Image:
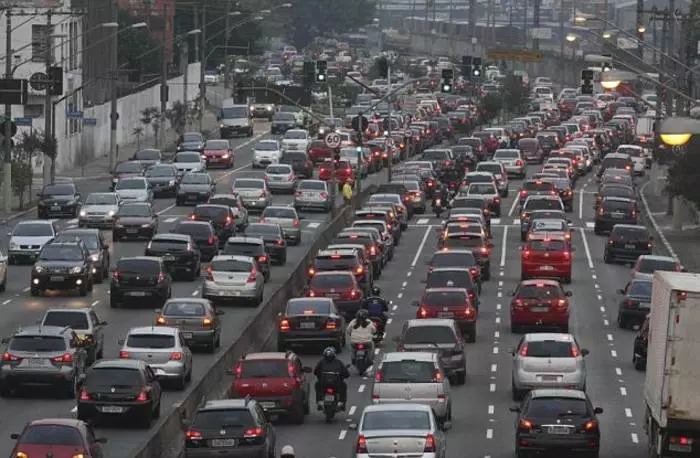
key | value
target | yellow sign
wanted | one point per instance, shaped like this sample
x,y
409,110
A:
x,y
521,56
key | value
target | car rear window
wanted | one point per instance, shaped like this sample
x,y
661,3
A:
x,y
447,259
542,204
180,308
433,155
552,407
379,226
649,266
260,368
479,188
150,341
493,168
463,241
168,245
396,420
311,186
289,213
75,320
229,201
51,435
549,349
614,163
546,245
248,184
37,343
630,233
308,307
617,205
441,298
449,278
538,186
639,288
111,376
247,249
194,229
331,281
428,335
538,291
211,212
507,154
139,266
230,265
335,262
223,418
408,371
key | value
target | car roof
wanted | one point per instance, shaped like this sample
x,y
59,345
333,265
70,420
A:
x,y
324,300
656,257
617,199
171,236
36,330
220,404
150,330
221,206
547,236
544,336
68,310
72,422
188,300
119,363
417,323
409,355
265,355
244,239
557,393
396,407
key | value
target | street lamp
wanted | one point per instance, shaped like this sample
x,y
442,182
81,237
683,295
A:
x,y
641,29
571,38
676,131
607,35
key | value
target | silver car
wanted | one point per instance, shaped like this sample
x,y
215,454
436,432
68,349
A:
x,y
280,177
189,161
134,189
413,377
28,238
313,194
163,348
196,318
287,218
400,430
392,199
647,264
512,160
548,360
253,192
99,209
233,278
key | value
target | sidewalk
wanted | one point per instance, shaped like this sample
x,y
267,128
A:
x,y
683,245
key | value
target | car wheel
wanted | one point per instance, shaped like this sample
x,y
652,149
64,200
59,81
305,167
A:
x,y
83,290
639,364
181,382
607,258
567,280
35,292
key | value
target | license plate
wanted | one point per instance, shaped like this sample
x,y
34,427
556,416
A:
x,y
680,448
333,296
277,178
112,409
308,325
57,278
187,335
445,314
267,405
37,362
132,231
617,215
329,398
168,257
539,309
136,293
558,430
629,246
549,378
360,353
55,207
223,442
547,268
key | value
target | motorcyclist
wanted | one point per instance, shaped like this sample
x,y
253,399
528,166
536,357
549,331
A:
x,y
362,330
330,364
441,195
376,306
287,452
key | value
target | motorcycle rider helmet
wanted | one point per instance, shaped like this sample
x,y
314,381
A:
x,y
287,452
376,291
329,354
362,315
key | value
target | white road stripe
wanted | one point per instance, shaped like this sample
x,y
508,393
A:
x,y
389,320
343,433
72,222
586,248
361,388
628,412
495,350
195,292
170,220
498,320
635,438
613,353
496,334
6,301
623,391
492,387
94,304
494,367
618,371
495,221
512,207
423,221
489,433
420,247
74,409
590,225
491,409
313,225
504,246
352,410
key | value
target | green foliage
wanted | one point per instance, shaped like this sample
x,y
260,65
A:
x,y
138,133
151,117
309,19
136,48
514,93
22,174
683,172
490,106
177,116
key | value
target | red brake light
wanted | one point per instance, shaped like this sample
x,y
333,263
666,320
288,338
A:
x,y
574,351
210,274
526,424
175,356
124,355
378,376
280,242
284,325
360,346
523,350
682,295
161,277
192,435
324,195
115,276
592,425
523,192
9,357
429,444
143,396
252,277
65,358
361,446
211,240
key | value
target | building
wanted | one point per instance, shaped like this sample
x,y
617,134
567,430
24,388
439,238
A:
x,y
153,12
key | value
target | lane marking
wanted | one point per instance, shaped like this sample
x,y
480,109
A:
x,y
494,367
389,320
623,391
420,247
396,306
590,225
492,387
423,221
618,371
6,301
491,409
628,412
602,309
398,296
596,286
313,225
409,274
495,350
496,334
404,284
512,207
580,204
504,246
635,438
498,320
495,221
376,350
606,323
498,306
655,225
25,289
194,293
500,283
343,433
499,294
613,353
94,304
489,433
586,248
600,298
352,410
361,388
594,276
74,409
170,220
610,337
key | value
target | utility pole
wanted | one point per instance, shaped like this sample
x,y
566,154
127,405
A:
x,y
390,156
7,173
640,32
472,17
525,23
561,28
536,25
184,66
113,114
227,33
48,128
202,65
164,79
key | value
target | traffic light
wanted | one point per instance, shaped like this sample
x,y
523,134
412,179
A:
x,y
476,67
56,78
587,82
309,73
607,66
467,67
447,77
321,67
383,67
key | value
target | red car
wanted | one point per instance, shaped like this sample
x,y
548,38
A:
x,y
341,286
276,380
546,255
319,152
57,438
343,172
218,152
539,303
452,303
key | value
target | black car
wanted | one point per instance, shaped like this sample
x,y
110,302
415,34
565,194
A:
x,y
566,193
236,204
372,246
191,141
400,189
250,246
163,179
63,265
203,234
635,304
557,420
614,190
148,157
474,202
282,122
135,220
139,278
455,277
273,236
324,325
127,389
342,260
58,200
641,342
300,162
96,245
458,258
626,243
480,246
194,187
221,217
179,253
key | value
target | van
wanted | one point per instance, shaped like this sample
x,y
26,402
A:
x,y
235,119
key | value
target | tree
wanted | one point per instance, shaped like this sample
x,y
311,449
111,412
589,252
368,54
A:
x,y
514,93
683,172
177,116
29,143
151,117
138,133
319,18
136,47
490,106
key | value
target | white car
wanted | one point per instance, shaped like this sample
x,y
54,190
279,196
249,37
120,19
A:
x,y
99,209
636,153
134,189
212,78
266,152
189,161
28,238
295,140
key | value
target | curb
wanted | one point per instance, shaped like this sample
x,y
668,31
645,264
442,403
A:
x,y
653,222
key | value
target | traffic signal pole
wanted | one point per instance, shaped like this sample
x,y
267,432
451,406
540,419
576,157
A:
x,y
388,128
7,172
48,99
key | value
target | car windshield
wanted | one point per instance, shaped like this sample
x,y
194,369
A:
x,y
191,138
552,407
158,171
506,154
615,163
51,435
549,225
427,335
248,184
538,291
196,178
37,344
481,189
129,167
231,265
650,265
311,186
408,371
215,419
216,144
33,230
396,420
295,135
78,321
148,155
187,158
234,112
154,341
639,289
130,184
184,308
134,210
284,213
111,376
278,170
548,349
340,281
101,199
61,252
59,190
308,307
90,239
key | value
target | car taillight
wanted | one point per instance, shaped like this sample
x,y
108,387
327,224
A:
x,y
211,240
284,325
124,355
312,271
631,304
429,444
523,350
354,293
593,425
567,255
193,217
324,195
519,163
360,270
229,220
65,358
484,250
84,395
262,258
176,356
373,250
523,193
331,324
574,351
526,424
280,242
210,274
252,277
422,312
9,357
143,396
193,435
207,322
469,311
562,303
115,276
361,446
161,320
189,247
634,214
601,211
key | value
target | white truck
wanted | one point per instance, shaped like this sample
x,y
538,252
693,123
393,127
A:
x,y
672,385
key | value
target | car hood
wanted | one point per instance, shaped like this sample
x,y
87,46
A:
x,y
58,264
100,208
58,199
188,166
30,240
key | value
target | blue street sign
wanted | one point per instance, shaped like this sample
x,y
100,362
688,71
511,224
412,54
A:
x,y
89,121
24,121
74,114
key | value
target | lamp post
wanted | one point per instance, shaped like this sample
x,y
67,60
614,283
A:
x,y
573,39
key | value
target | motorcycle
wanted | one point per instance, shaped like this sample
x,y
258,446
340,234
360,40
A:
x,y
437,207
361,357
330,399
380,324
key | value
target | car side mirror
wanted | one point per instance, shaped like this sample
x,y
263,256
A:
x,y
598,410
568,294
511,292
415,303
621,291
307,369
121,341
14,436
514,409
585,352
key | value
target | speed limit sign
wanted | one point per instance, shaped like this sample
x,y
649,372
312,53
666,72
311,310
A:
x,y
332,140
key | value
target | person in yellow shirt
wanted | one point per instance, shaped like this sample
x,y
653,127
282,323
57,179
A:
x,y
347,192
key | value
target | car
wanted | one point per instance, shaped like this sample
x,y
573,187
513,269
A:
x,y
641,343
456,258
295,140
189,161
277,381
615,161
539,303
557,419
97,247
250,246
346,260
457,228
48,356
498,171
387,216
62,265
627,242
551,225
273,236
28,238
465,276
236,205
384,230
233,278
450,302
342,169
613,211
134,189
126,169
412,377
139,278
373,247
533,203
313,194
99,210
85,322
266,152
635,304
282,122
311,321
394,199
546,360
512,160
191,141
136,398
318,151
428,333
218,152
203,235
565,191
163,349
194,187
340,285
148,157
415,192
181,256
163,179
58,200
255,440
47,435
288,220
536,187
3,271
381,426
614,190
197,320
546,255
300,163
490,193
647,264
636,154
135,220
254,193
475,202
479,245
280,178
221,217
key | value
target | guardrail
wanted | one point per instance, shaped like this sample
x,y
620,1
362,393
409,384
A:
x,y
167,438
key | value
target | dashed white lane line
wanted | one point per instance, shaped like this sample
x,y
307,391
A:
x,y
500,294
618,371
492,387
361,388
500,283
343,433
512,207
25,289
423,221
496,334
420,247
613,353
635,438
195,292
596,286
170,220
586,248
398,296
313,225
6,301
376,350
594,277
352,410
495,350
489,433
623,391
610,337
606,323
404,284
494,367
389,320
602,309
600,298
94,304
394,307
498,320
628,412
409,274
492,409
498,306
74,409
504,246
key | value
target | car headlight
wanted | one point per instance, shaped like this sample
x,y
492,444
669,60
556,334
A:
x,y
83,213
269,108
145,225
38,269
221,126
94,257
76,270
111,213
171,183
